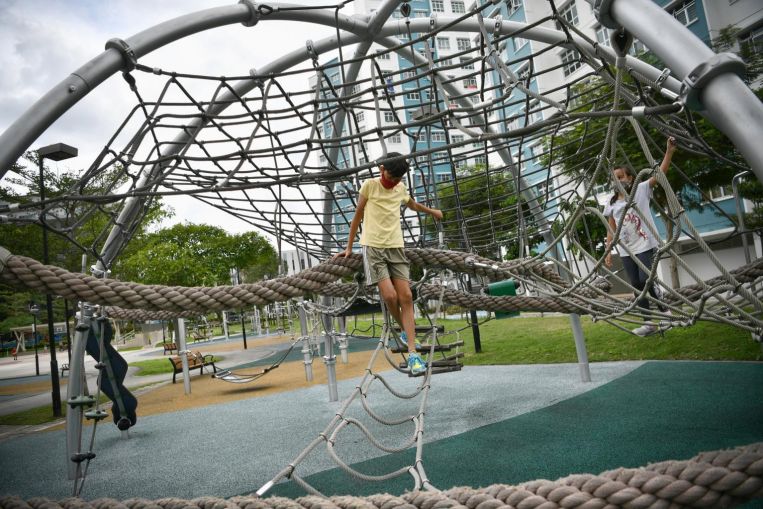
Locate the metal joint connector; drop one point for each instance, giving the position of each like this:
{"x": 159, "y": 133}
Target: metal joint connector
{"x": 639, "y": 111}
{"x": 311, "y": 50}
{"x": 497, "y": 26}
{"x": 128, "y": 55}
{"x": 602, "y": 9}
{"x": 704, "y": 73}
{"x": 662, "y": 77}
{"x": 432, "y": 22}
{"x": 254, "y": 13}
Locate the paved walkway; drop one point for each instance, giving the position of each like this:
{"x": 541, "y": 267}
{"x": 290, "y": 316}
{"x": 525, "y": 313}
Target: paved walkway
{"x": 33, "y": 390}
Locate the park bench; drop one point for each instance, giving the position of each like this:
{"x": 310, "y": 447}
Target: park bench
{"x": 169, "y": 347}
{"x": 195, "y": 360}
{"x": 200, "y": 335}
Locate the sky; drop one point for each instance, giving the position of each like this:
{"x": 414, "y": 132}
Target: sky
{"x": 43, "y": 41}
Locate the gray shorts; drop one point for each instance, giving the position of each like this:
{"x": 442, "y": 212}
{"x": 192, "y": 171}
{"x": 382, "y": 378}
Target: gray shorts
{"x": 385, "y": 263}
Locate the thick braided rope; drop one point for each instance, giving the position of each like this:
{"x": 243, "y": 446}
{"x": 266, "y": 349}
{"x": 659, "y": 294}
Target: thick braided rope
{"x": 164, "y": 302}
{"x": 714, "y": 479}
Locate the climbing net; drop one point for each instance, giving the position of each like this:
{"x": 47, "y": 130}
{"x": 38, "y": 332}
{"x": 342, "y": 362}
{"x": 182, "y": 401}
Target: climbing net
{"x": 286, "y": 152}
{"x": 514, "y": 167}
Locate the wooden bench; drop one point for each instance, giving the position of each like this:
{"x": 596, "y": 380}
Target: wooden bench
{"x": 169, "y": 347}
{"x": 195, "y": 360}
{"x": 199, "y": 335}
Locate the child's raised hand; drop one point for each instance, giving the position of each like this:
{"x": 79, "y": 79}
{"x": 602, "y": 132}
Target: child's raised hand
{"x": 437, "y": 214}
{"x": 672, "y": 146}
{"x": 342, "y": 254}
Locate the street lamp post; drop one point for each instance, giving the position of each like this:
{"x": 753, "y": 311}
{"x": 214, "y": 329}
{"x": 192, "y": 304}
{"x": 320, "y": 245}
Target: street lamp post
{"x": 35, "y": 310}
{"x": 55, "y": 152}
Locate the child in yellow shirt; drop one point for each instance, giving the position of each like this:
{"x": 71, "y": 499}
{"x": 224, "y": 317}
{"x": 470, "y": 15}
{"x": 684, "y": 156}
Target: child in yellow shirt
{"x": 382, "y": 240}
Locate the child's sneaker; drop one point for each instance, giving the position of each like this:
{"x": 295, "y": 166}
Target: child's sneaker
{"x": 645, "y": 330}
{"x": 404, "y": 339}
{"x": 416, "y": 364}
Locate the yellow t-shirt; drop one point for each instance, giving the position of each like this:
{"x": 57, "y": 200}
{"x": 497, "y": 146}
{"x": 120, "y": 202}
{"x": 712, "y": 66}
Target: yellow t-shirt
{"x": 381, "y": 217}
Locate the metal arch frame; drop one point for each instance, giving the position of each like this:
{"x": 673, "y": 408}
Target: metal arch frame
{"x": 743, "y": 124}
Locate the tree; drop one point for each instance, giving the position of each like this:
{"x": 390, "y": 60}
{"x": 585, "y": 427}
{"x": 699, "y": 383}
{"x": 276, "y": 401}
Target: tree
{"x": 196, "y": 255}
{"x": 76, "y": 226}
{"x": 488, "y": 202}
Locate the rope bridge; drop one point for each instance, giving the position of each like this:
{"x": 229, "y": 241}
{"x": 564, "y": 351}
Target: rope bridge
{"x": 133, "y": 300}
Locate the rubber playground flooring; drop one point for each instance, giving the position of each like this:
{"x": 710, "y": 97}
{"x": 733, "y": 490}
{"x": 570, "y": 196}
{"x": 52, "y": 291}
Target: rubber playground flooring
{"x": 484, "y": 425}
{"x": 659, "y": 411}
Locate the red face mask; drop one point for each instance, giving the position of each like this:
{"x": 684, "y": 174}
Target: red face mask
{"x": 388, "y": 184}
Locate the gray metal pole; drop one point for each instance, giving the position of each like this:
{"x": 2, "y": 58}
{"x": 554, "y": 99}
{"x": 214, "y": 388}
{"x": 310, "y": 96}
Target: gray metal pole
{"x": 183, "y": 352}
{"x": 75, "y": 389}
{"x": 306, "y": 350}
{"x": 330, "y": 358}
{"x": 740, "y": 214}
{"x": 580, "y": 348}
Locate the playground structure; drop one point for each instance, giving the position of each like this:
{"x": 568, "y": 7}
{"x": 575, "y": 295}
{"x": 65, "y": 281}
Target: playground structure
{"x": 242, "y": 149}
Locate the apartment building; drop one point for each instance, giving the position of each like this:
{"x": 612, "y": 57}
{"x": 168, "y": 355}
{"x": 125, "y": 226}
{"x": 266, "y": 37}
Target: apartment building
{"x": 463, "y": 68}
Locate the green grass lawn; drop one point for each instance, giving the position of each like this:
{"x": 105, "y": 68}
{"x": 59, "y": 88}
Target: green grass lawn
{"x": 38, "y": 415}
{"x": 548, "y": 339}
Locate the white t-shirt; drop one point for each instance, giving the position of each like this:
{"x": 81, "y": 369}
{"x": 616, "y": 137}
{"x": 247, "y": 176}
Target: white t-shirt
{"x": 636, "y": 233}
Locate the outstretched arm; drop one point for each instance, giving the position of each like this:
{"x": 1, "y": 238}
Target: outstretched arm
{"x": 354, "y": 225}
{"x": 418, "y": 207}
{"x": 669, "y": 151}
{"x": 610, "y": 233}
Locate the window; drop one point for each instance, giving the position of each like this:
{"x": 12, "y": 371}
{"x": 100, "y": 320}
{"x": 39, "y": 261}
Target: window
{"x": 437, "y": 136}
{"x": 360, "y": 116}
{"x": 389, "y": 116}
{"x": 686, "y": 12}
{"x": 445, "y": 177}
{"x": 466, "y": 64}
{"x": 570, "y": 60}
{"x": 457, "y": 7}
{"x": 513, "y": 6}
{"x": 462, "y": 43}
{"x": 418, "y": 13}
{"x": 414, "y": 96}
{"x": 362, "y": 160}
{"x": 602, "y": 36}
{"x": 470, "y": 83}
{"x": 518, "y": 43}
{"x": 443, "y": 43}
{"x": 637, "y": 47}
{"x": 446, "y": 62}
{"x": 457, "y": 138}
{"x": 382, "y": 56}
{"x": 721, "y": 192}
{"x": 523, "y": 72}
{"x": 395, "y": 138}
{"x": 536, "y": 115}
{"x": 438, "y": 6}
{"x": 753, "y": 41}
{"x": 536, "y": 151}
{"x": 568, "y": 14}
{"x": 458, "y": 164}
{"x": 482, "y": 160}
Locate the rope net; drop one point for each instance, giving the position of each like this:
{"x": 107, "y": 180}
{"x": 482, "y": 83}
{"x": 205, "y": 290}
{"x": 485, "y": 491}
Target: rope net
{"x": 287, "y": 152}
{"x": 514, "y": 168}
